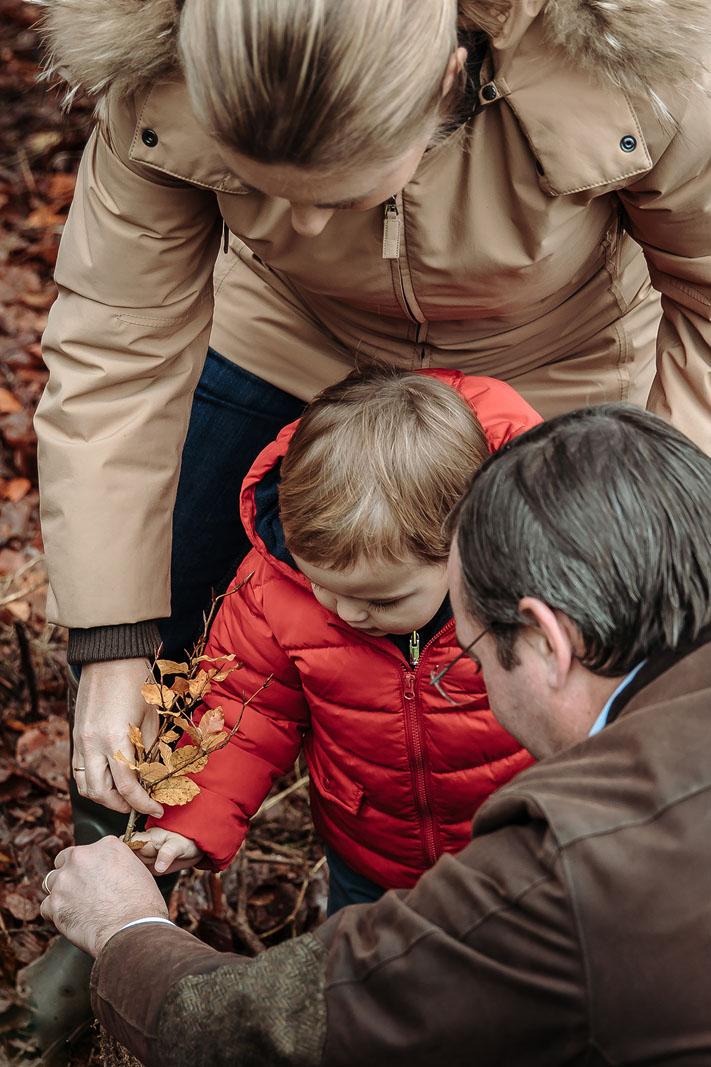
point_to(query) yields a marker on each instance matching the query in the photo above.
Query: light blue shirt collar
(601, 720)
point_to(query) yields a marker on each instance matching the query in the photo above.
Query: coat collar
(634, 695)
(578, 128)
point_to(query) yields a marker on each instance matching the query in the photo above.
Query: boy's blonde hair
(375, 466)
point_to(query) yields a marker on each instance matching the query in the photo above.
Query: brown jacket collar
(635, 695)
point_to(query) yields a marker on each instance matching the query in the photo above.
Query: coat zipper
(392, 230)
(413, 729)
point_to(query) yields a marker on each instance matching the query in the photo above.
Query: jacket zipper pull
(392, 226)
(414, 648)
(225, 237)
(409, 686)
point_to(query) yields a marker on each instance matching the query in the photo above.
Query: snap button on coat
(628, 143)
(489, 92)
(149, 138)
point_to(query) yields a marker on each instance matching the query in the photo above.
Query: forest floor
(277, 886)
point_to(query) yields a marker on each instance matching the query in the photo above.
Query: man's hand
(95, 890)
(108, 702)
(166, 851)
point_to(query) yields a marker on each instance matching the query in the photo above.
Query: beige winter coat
(516, 259)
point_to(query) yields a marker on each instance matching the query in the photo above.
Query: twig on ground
(242, 923)
(278, 797)
(28, 669)
(291, 917)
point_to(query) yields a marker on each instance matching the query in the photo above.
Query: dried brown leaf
(8, 403)
(136, 738)
(189, 729)
(189, 758)
(215, 741)
(175, 790)
(180, 686)
(212, 722)
(159, 695)
(166, 754)
(151, 772)
(119, 756)
(199, 685)
(171, 735)
(170, 666)
(216, 659)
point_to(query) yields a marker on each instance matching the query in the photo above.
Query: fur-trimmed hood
(634, 44)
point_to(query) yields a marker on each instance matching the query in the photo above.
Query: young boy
(347, 608)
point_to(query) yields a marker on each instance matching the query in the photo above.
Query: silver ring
(76, 769)
(45, 887)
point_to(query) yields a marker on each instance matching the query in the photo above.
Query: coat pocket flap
(335, 785)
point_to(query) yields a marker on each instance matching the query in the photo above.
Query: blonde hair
(318, 83)
(377, 463)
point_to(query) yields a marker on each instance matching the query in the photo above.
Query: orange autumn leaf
(175, 790)
(151, 772)
(158, 695)
(171, 666)
(136, 738)
(212, 722)
(189, 759)
(9, 404)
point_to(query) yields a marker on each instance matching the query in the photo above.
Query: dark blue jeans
(346, 886)
(234, 416)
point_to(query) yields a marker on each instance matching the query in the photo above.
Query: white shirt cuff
(148, 919)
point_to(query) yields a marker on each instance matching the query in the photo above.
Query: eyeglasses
(436, 679)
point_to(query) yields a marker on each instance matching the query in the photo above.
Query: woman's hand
(109, 701)
(165, 851)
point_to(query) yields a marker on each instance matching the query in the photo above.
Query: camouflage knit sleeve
(178, 1003)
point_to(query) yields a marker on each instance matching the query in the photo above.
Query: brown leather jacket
(573, 930)
(516, 260)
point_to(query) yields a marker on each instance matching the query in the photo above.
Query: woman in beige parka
(487, 185)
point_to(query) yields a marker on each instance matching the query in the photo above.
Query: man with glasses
(576, 927)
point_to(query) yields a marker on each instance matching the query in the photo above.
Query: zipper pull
(409, 686)
(225, 237)
(414, 648)
(392, 225)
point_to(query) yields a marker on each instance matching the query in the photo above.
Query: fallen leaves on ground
(277, 888)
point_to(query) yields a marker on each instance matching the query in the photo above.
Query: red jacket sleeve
(238, 777)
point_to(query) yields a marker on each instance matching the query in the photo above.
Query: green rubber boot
(56, 986)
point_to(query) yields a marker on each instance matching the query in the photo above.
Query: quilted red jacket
(396, 771)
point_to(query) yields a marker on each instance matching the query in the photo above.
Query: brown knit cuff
(100, 643)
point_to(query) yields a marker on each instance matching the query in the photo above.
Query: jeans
(234, 416)
(346, 886)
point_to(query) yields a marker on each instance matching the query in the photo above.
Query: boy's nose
(350, 610)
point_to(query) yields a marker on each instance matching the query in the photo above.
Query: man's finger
(126, 782)
(61, 858)
(46, 910)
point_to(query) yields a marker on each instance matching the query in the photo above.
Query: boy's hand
(165, 851)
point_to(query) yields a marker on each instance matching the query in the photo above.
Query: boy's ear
(553, 637)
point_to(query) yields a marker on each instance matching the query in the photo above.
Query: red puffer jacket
(396, 771)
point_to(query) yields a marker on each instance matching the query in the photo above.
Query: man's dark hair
(604, 514)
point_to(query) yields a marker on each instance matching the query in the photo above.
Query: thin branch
(291, 917)
(242, 923)
(271, 802)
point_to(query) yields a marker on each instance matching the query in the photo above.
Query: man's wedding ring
(75, 769)
(45, 886)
